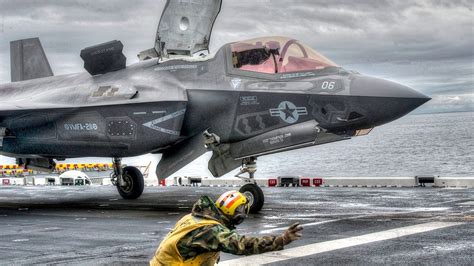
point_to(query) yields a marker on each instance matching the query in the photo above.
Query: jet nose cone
(375, 87)
(388, 100)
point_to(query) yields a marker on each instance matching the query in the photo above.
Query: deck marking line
(316, 248)
(267, 231)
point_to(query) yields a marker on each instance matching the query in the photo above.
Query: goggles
(241, 213)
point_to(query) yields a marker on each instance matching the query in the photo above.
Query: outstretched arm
(231, 242)
(220, 238)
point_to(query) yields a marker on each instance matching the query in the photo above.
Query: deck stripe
(276, 229)
(311, 249)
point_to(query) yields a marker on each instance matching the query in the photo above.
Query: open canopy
(277, 55)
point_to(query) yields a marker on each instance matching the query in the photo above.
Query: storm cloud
(427, 45)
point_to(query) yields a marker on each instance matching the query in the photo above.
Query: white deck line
(271, 230)
(276, 229)
(316, 248)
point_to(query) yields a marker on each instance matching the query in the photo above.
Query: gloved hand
(292, 233)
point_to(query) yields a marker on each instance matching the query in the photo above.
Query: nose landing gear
(128, 180)
(251, 190)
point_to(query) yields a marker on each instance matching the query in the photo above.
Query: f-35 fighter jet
(250, 98)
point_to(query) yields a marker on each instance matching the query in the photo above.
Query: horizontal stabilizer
(180, 155)
(28, 60)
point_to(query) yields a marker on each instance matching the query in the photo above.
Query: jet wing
(6, 109)
(184, 29)
(178, 156)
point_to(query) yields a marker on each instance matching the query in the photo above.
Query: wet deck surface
(93, 225)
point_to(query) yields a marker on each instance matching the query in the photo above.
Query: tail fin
(28, 60)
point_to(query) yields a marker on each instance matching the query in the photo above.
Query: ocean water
(433, 144)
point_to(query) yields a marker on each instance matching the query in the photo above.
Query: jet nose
(386, 100)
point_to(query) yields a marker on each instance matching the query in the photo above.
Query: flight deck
(94, 225)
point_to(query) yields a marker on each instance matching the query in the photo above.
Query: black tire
(256, 194)
(134, 183)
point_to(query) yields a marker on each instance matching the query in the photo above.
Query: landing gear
(222, 162)
(129, 180)
(255, 195)
(251, 190)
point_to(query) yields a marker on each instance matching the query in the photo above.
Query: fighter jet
(248, 99)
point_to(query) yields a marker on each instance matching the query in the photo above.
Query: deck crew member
(199, 237)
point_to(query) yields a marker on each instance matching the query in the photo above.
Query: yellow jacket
(168, 254)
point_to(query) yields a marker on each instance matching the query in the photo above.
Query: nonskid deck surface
(93, 225)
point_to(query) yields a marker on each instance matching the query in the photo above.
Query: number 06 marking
(328, 85)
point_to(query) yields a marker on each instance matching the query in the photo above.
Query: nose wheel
(128, 180)
(251, 190)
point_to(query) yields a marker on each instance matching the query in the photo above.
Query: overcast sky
(427, 45)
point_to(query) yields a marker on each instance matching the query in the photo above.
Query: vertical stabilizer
(28, 60)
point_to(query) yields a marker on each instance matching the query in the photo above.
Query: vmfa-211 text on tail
(250, 98)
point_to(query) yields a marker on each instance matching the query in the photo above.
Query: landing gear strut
(222, 154)
(129, 180)
(251, 190)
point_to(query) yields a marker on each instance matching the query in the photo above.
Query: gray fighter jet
(250, 98)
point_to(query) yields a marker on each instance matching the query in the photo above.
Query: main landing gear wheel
(129, 180)
(133, 184)
(255, 196)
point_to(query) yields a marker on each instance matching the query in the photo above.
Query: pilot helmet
(234, 205)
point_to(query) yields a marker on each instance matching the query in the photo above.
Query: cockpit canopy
(277, 55)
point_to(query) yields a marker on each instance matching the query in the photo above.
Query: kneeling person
(199, 237)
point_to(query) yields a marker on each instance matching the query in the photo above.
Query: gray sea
(423, 144)
(435, 144)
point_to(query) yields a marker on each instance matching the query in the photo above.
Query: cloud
(448, 103)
